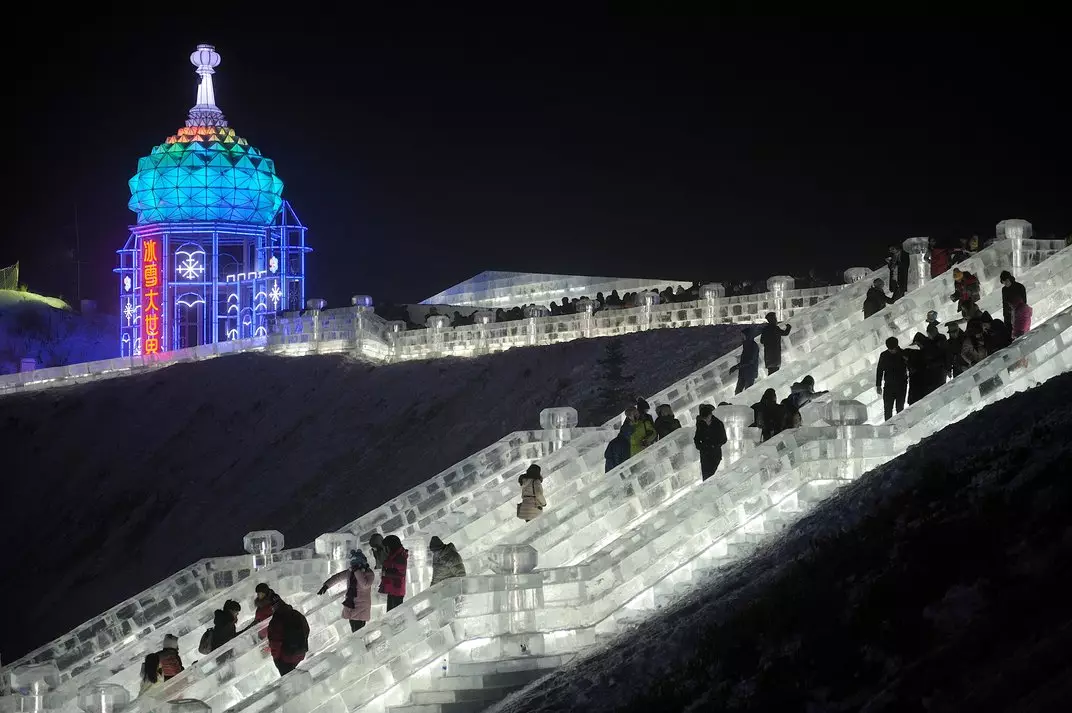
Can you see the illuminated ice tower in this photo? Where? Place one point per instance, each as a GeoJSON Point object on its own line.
{"type": "Point", "coordinates": [215, 249]}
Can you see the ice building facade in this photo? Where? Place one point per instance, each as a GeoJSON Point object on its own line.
{"type": "Point", "coordinates": [215, 248]}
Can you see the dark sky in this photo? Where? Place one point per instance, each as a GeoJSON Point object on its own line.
{"type": "Point", "coordinates": [422, 150]}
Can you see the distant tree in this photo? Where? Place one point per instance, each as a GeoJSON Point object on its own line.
{"type": "Point", "coordinates": [614, 383]}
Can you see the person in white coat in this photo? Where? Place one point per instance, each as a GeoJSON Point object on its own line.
{"type": "Point", "coordinates": [532, 500]}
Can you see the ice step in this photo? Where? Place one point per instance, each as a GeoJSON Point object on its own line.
{"type": "Point", "coordinates": [500, 666]}
{"type": "Point", "coordinates": [488, 693]}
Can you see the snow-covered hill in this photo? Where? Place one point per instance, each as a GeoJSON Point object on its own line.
{"type": "Point", "coordinates": [932, 584]}
{"type": "Point", "coordinates": [45, 329]}
{"type": "Point", "coordinates": [117, 484]}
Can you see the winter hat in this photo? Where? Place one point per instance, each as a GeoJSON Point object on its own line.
{"type": "Point", "coordinates": [232, 605]}
{"type": "Point", "coordinates": [392, 543]}
{"type": "Point", "coordinates": [358, 559]}
{"type": "Point", "coordinates": [642, 405]}
{"type": "Point", "coordinates": [706, 410]}
{"type": "Point", "coordinates": [375, 539]}
{"type": "Point", "coordinates": [435, 544]}
{"type": "Point", "coordinates": [170, 642]}
{"type": "Point", "coordinates": [533, 470]}
{"type": "Point", "coordinates": [932, 317]}
{"type": "Point", "coordinates": [891, 343]}
{"type": "Point", "coordinates": [919, 338]}
{"type": "Point", "coordinates": [263, 588]}
{"type": "Point", "coordinates": [771, 317]}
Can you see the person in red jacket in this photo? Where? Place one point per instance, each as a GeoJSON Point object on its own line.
{"type": "Point", "coordinates": [170, 661]}
{"type": "Point", "coordinates": [393, 579]}
{"type": "Point", "coordinates": [288, 637]}
{"type": "Point", "coordinates": [266, 601]}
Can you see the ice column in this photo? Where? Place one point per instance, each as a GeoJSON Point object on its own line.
{"type": "Point", "coordinates": [395, 330]}
{"type": "Point", "coordinates": [779, 285]}
{"type": "Point", "coordinates": [361, 305]}
{"type": "Point", "coordinates": [847, 415]}
{"type": "Point", "coordinates": [31, 683]}
{"type": "Point", "coordinates": [709, 294]}
{"type": "Point", "coordinates": [314, 306]}
{"type": "Point", "coordinates": [263, 544]}
{"type": "Point", "coordinates": [533, 313]}
{"type": "Point", "coordinates": [649, 300]}
{"type": "Point", "coordinates": [918, 270]}
{"type": "Point", "coordinates": [855, 274]}
{"type": "Point", "coordinates": [482, 319]}
{"type": "Point", "coordinates": [736, 419]}
{"type": "Point", "coordinates": [1015, 230]}
{"type": "Point", "coordinates": [103, 698]}
{"type": "Point", "coordinates": [335, 545]}
{"type": "Point", "coordinates": [585, 309]}
{"type": "Point", "coordinates": [560, 421]}
{"type": "Point", "coordinates": [437, 324]}
{"type": "Point", "coordinates": [186, 705]}
{"type": "Point", "coordinates": [512, 559]}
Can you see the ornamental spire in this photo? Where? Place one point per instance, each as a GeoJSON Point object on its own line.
{"type": "Point", "coordinates": [205, 112]}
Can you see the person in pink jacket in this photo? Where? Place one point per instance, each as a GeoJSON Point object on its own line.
{"type": "Point", "coordinates": [393, 579]}
{"type": "Point", "coordinates": [357, 606]}
{"type": "Point", "coordinates": [1021, 317]}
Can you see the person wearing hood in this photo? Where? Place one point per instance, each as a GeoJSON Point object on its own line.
{"type": "Point", "coordinates": [618, 450]}
{"type": "Point", "coordinates": [768, 414]}
{"type": "Point", "coordinates": [644, 433]}
{"type": "Point", "coordinates": [876, 299]}
{"type": "Point", "coordinates": [532, 500]}
{"type": "Point", "coordinates": [170, 661]}
{"type": "Point", "coordinates": [379, 552]}
{"type": "Point", "coordinates": [748, 367]}
{"type": "Point", "coordinates": [803, 392]}
{"type": "Point", "coordinates": [965, 287]}
{"type": "Point", "coordinates": [357, 604]}
{"type": "Point", "coordinates": [665, 423]}
{"type": "Point", "coordinates": [393, 578]}
{"type": "Point", "coordinates": [709, 438]}
{"type": "Point", "coordinates": [446, 562]}
{"type": "Point", "coordinates": [891, 378]}
{"type": "Point", "coordinates": [224, 623]}
{"type": "Point", "coordinates": [771, 338]}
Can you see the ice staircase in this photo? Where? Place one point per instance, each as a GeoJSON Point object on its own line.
{"type": "Point", "coordinates": [495, 606]}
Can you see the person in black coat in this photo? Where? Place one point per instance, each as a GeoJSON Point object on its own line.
{"type": "Point", "coordinates": [709, 439]}
{"type": "Point", "coordinates": [1012, 293]}
{"type": "Point", "coordinates": [748, 368]}
{"type": "Point", "coordinates": [898, 263]}
{"type": "Point", "coordinates": [876, 298]}
{"type": "Point", "coordinates": [665, 423]}
{"type": "Point", "coordinates": [224, 622]}
{"type": "Point", "coordinates": [891, 378]}
{"type": "Point", "coordinates": [771, 337]}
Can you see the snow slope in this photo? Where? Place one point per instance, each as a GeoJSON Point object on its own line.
{"type": "Point", "coordinates": [133, 479]}
{"type": "Point", "coordinates": [45, 329]}
{"type": "Point", "coordinates": [930, 584]}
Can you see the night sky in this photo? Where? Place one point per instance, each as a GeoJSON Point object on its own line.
{"type": "Point", "coordinates": [422, 150]}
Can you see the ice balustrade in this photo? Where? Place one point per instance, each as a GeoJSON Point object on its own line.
{"type": "Point", "coordinates": [1049, 290]}
{"type": "Point", "coordinates": [121, 366]}
{"type": "Point", "coordinates": [727, 517]}
{"type": "Point", "coordinates": [420, 506]}
{"type": "Point", "coordinates": [516, 289]}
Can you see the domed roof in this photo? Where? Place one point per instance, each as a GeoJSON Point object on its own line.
{"type": "Point", "coordinates": [205, 172]}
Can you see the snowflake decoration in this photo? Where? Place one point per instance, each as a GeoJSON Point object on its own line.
{"type": "Point", "coordinates": [128, 311]}
{"type": "Point", "coordinates": [190, 269]}
{"type": "Point", "coordinates": [276, 294]}
{"type": "Point", "coordinates": [127, 283]}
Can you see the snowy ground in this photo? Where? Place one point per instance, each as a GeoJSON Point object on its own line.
{"type": "Point", "coordinates": [932, 584]}
{"type": "Point", "coordinates": [45, 329]}
{"type": "Point", "coordinates": [117, 484]}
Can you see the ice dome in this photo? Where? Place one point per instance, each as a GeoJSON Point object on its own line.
{"type": "Point", "coordinates": [205, 172]}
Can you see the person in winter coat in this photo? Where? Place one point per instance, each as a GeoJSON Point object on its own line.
{"type": "Point", "coordinates": [916, 359]}
{"type": "Point", "coordinates": [643, 434]}
{"type": "Point", "coordinates": [357, 604]}
{"type": "Point", "coordinates": [771, 338]}
{"type": "Point", "coordinates": [803, 392]}
{"type": "Point", "coordinates": [996, 334]}
{"type": "Point", "coordinates": [266, 601]}
{"type": "Point", "coordinates": [393, 578]}
{"type": "Point", "coordinates": [152, 674]}
{"type": "Point", "coordinates": [170, 661]}
{"type": "Point", "coordinates": [665, 423]}
{"type": "Point", "coordinates": [748, 367]}
{"type": "Point", "coordinates": [962, 252]}
{"type": "Point", "coordinates": [532, 500]}
{"type": "Point", "coordinates": [224, 623]}
{"type": "Point", "coordinates": [1011, 291]}
{"type": "Point", "coordinates": [618, 450]}
{"type": "Point", "coordinates": [769, 418]}
{"type": "Point", "coordinates": [709, 438]}
{"type": "Point", "coordinates": [940, 258]}
{"type": "Point", "coordinates": [1021, 318]}
{"type": "Point", "coordinates": [891, 378]}
{"type": "Point", "coordinates": [899, 264]}
{"type": "Point", "coordinates": [954, 343]}
{"type": "Point", "coordinates": [876, 298]}
{"type": "Point", "coordinates": [965, 287]}
{"type": "Point", "coordinates": [288, 638]}
{"type": "Point", "coordinates": [446, 562]}
{"type": "Point", "coordinates": [379, 552]}
{"type": "Point", "coordinates": [936, 358]}
{"type": "Point", "coordinates": [973, 350]}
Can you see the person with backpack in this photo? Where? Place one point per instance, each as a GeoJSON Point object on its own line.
{"type": "Point", "coordinates": [891, 378]}
{"type": "Point", "coordinates": [357, 604]}
{"type": "Point", "coordinates": [709, 438]}
{"type": "Point", "coordinates": [223, 629]}
{"type": "Point", "coordinates": [288, 637]}
{"type": "Point", "coordinates": [771, 337]}
{"type": "Point", "coordinates": [393, 578]}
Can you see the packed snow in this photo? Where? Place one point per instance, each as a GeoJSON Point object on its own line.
{"type": "Point", "coordinates": [929, 584]}
{"type": "Point", "coordinates": [134, 479]}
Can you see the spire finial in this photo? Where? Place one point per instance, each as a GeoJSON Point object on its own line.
{"type": "Point", "coordinates": [205, 112]}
